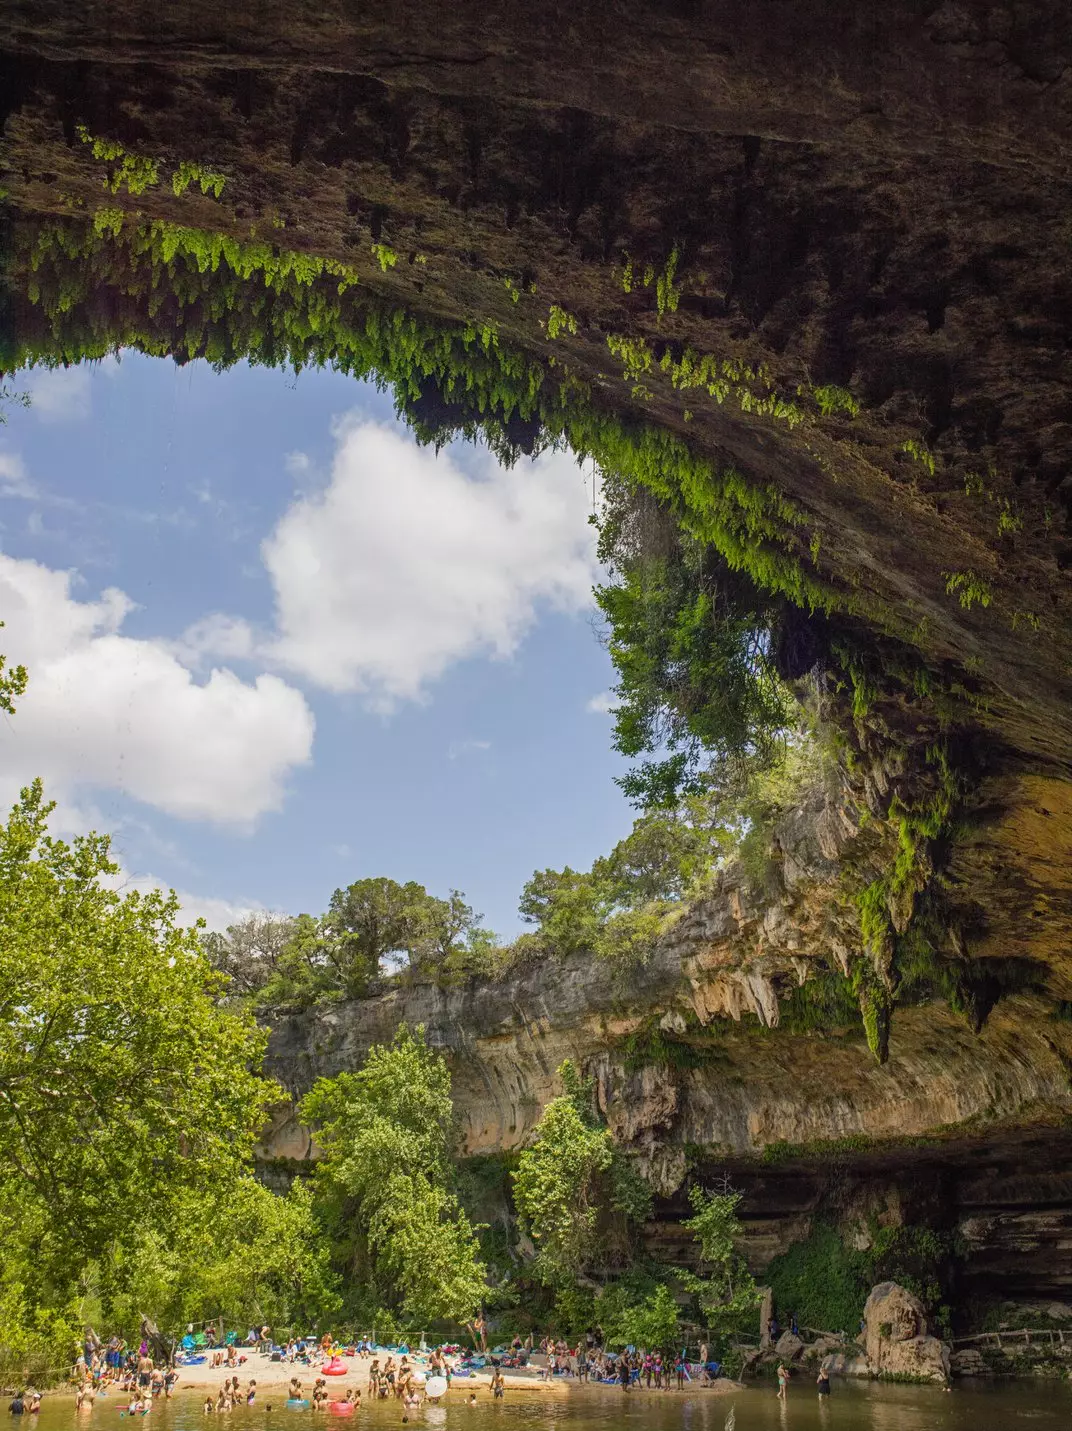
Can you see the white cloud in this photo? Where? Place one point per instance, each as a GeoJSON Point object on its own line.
{"type": "Point", "coordinates": [59, 394]}
{"type": "Point", "coordinates": [603, 704]}
{"type": "Point", "coordinates": [405, 565]}
{"type": "Point", "coordinates": [14, 481]}
{"type": "Point", "coordinates": [217, 913]}
{"type": "Point", "coordinates": [108, 711]}
{"type": "Point", "coordinates": [466, 747]}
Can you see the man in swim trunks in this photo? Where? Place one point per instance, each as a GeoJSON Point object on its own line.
{"type": "Point", "coordinates": [145, 1371]}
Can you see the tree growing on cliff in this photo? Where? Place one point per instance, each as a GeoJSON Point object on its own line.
{"type": "Point", "coordinates": [570, 1179]}
{"type": "Point", "coordinates": [386, 1182]}
{"type": "Point", "coordinates": [374, 926]}
{"type": "Point", "coordinates": [725, 1290]}
{"type": "Point", "coordinates": [250, 951]}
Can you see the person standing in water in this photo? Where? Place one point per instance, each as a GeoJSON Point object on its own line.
{"type": "Point", "coordinates": [822, 1381]}
{"type": "Point", "coordinates": [783, 1381]}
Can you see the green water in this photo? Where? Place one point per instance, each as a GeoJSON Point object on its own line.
{"type": "Point", "coordinates": [852, 1407]}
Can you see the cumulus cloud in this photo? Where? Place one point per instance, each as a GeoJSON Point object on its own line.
{"type": "Point", "coordinates": [14, 480]}
{"type": "Point", "coordinates": [603, 704]}
{"type": "Point", "coordinates": [217, 913]}
{"type": "Point", "coordinates": [60, 394]}
{"type": "Point", "coordinates": [404, 564]}
{"type": "Point", "coordinates": [108, 711]}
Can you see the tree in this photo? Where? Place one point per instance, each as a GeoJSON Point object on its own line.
{"type": "Point", "coordinates": [567, 1178]}
{"type": "Point", "coordinates": [693, 642]}
{"type": "Point", "coordinates": [449, 940]}
{"type": "Point", "coordinates": [250, 951]}
{"type": "Point", "coordinates": [12, 678]}
{"type": "Point", "coordinates": [123, 1084]}
{"type": "Point", "coordinates": [650, 1322]}
{"type": "Point", "coordinates": [262, 1257]}
{"type": "Point", "coordinates": [386, 1180]}
{"type": "Point", "coordinates": [569, 907]}
{"type": "Point", "coordinates": [726, 1293]}
{"type": "Point", "coordinates": [377, 918]}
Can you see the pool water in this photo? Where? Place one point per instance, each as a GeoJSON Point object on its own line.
{"type": "Point", "coordinates": [864, 1406]}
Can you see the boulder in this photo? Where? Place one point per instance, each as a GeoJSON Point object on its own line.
{"type": "Point", "coordinates": [968, 1362]}
{"type": "Point", "coordinates": [896, 1342]}
{"type": "Point", "coordinates": [845, 1364]}
{"type": "Point", "coordinates": [789, 1346]}
{"type": "Point", "coordinates": [823, 1346]}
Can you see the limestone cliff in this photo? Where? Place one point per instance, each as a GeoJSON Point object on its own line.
{"type": "Point", "coordinates": [696, 1069]}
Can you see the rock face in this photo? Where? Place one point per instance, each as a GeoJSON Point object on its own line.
{"type": "Point", "coordinates": [895, 1337]}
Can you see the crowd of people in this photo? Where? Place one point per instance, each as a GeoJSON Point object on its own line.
{"type": "Point", "coordinates": [629, 1368]}
{"type": "Point", "coordinates": [125, 1370]}
{"type": "Point", "coordinates": [138, 1375]}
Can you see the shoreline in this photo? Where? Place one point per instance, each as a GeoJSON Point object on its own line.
{"type": "Point", "coordinates": [274, 1377]}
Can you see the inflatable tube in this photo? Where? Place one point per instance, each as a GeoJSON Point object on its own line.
{"type": "Point", "coordinates": [334, 1367]}
{"type": "Point", "coordinates": [295, 1403]}
{"type": "Point", "coordinates": [436, 1386]}
{"type": "Point", "coordinates": [341, 1408]}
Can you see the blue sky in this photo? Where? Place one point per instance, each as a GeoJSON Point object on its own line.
{"type": "Point", "coordinates": [275, 647]}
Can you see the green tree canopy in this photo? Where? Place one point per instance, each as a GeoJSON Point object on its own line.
{"type": "Point", "coordinates": [725, 1289]}
{"type": "Point", "coordinates": [387, 1181]}
{"type": "Point", "coordinates": [650, 1321]}
{"type": "Point", "coordinates": [250, 951]}
{"type": "Point", "coordinates": [260, 1257]}
{"type": "Point", "coordinates": [122, 1083]}
{"type": "Point", "coordinates": [693, 642]}
{"type": "Point", "coordinates": [572, 1185]}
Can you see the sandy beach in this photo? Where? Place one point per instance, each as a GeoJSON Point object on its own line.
{"type": "Point", "coordinates": [273, 1378]}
